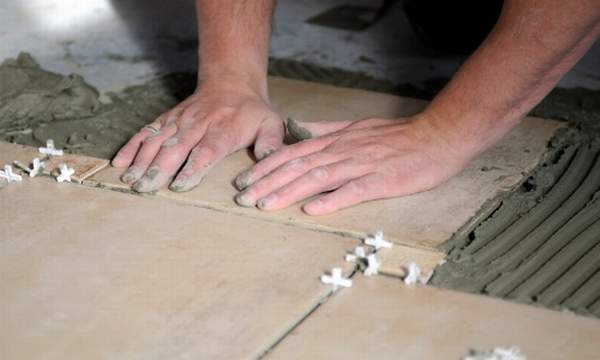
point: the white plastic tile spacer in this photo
(36, 167)
(499, 353)
(9, 175)
(373, 265)
(50, 149)
(412, 275)
(359, 253)
(377, 241)
(336, 279)
(65, 173)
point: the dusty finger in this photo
(278, 158)
(148, 150)
(317, 180)
(269, 138)
(169, 159)
(202, 158)
(127, 153)
(281, 176)
(365, 188)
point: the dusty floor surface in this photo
(530, 249)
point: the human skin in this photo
(229, 110)
(532, 46)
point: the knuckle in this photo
(320, 173)
(204, 151)
(356, 187)
(297, 164)
(151, 138)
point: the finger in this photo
(209, 151)
(146, 154)
(169, 159)
(315, 181)
(365, 188)
(301, 130)
(281, 176)
(269, 138)
(278, 158)
(127, 153)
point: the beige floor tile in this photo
(89, 273)
(10, 152)
(395, 261)
(421, 220)
(308, 101)
(378, 318)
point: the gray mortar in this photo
(36, 105)
(519, 251)
(297, 131)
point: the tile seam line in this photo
(312, 309)
(275, 220)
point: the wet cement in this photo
(36, 105)
(541, 245)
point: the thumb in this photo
(301, 130)
(269, 137)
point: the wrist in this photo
(243, 78)
(449, 139)
(468, 133)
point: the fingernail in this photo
(115, 161)
(141, 185)
(131, 175)
(266, 202)
(242, 199)
(313, 206)
(243, 180)
(147, 183)
(180, 184)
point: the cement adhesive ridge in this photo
(497, 257)
(540, 245)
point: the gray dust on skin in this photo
(297, 131)
(36, 105)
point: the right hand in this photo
(217, 120)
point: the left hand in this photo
(361, 161)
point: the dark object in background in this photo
(352, 17)
(456, 26)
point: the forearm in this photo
(234, 41)
(531, 47)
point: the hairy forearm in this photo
(531, 47)
(234, 41)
